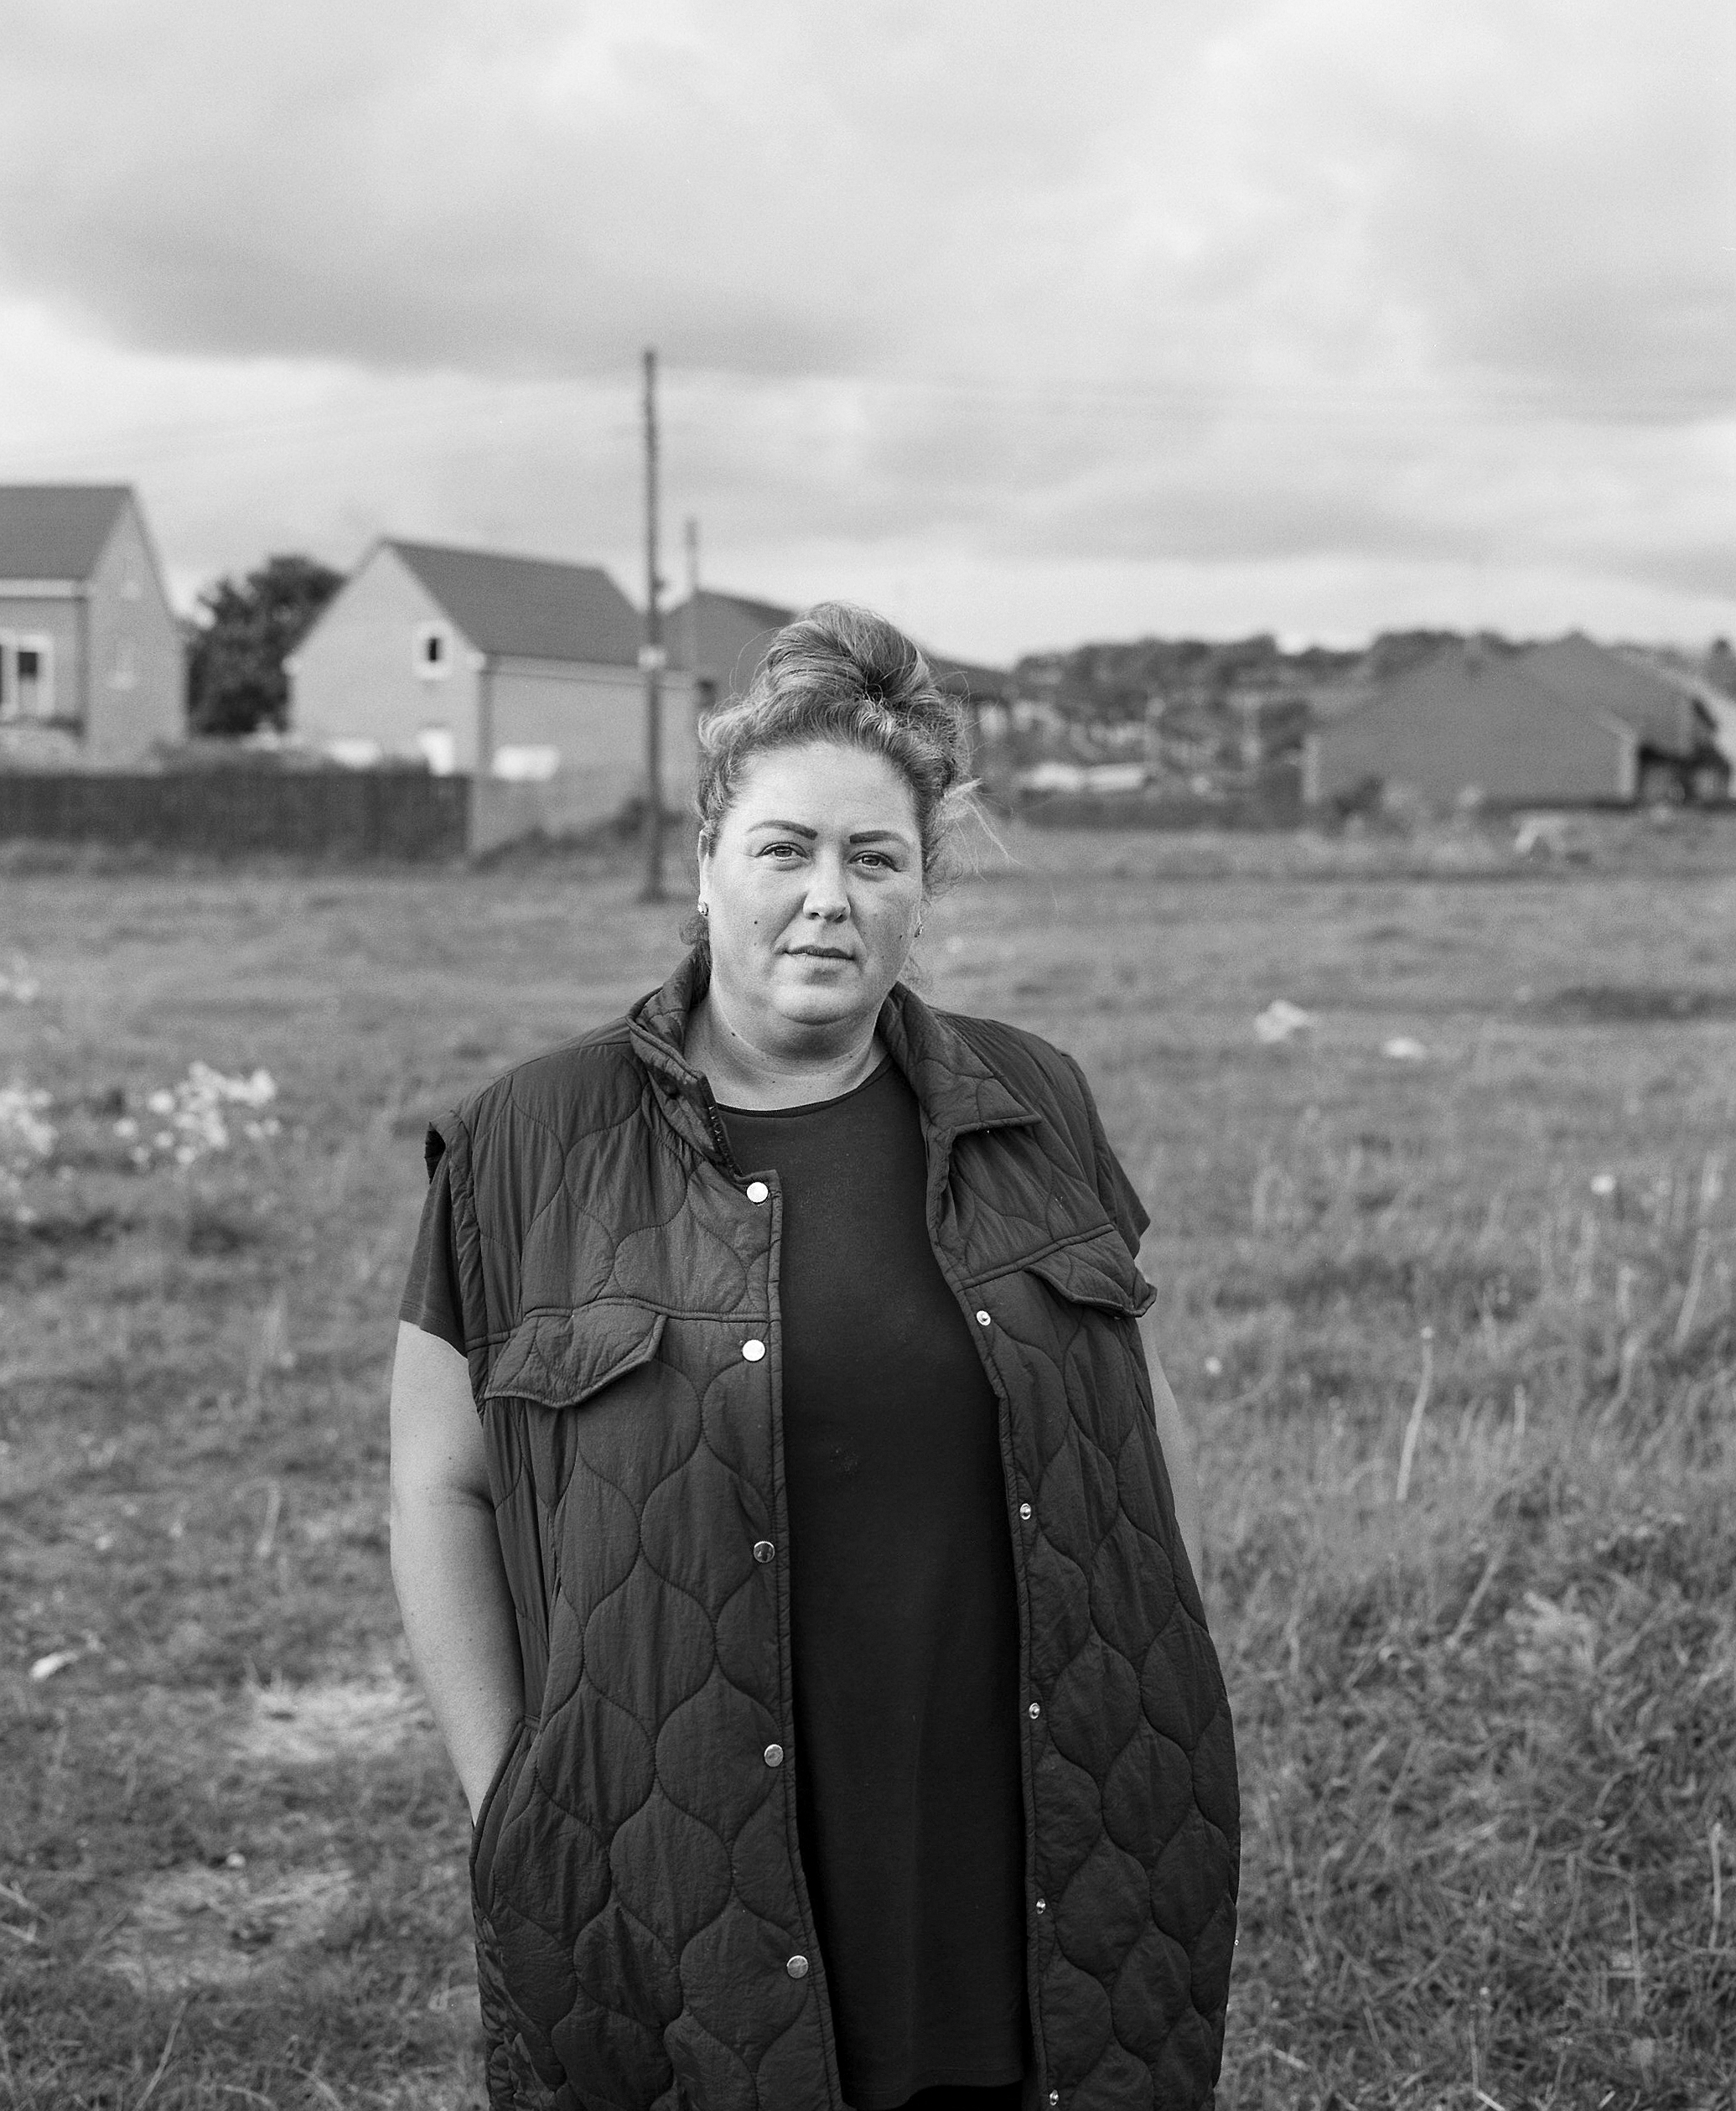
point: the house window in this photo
(433, 651)
(123, 675)
(26, 678)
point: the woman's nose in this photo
(827, 895)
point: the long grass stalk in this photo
(1413, 1427)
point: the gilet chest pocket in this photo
(1097, 1271)
(562, 1359)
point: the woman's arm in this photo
(1177, 1444)
(446, 1560)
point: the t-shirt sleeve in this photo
(432, 1299)
(1117, 1193)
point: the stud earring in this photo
(705, 909)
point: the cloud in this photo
(1432, 294)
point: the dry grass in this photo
(1487, 1733)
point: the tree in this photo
(235, 681)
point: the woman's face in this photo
(814, 887)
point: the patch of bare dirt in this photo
(306, 1725)
(196, 1927)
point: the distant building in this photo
(719, 639)
(1474, 723)
(1568, 723)
(521, 670)
(1679, 756)
(91, 666)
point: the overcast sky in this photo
(1024, 323)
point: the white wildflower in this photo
(21, 986)
(196, 1110)
(25, 1137)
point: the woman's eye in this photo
(781, 850)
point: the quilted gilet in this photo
(645, 1937)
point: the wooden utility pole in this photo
(651, 655)
(690, 643)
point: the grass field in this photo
(1488, 1731)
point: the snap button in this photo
(982, 1320)
(753, 1349)
(758, 1190)
(1042, 1905)
(1024, 1512)
(1035, 1710)
(763, 1550)
(797, 1967)
(775, 1755)
(1054, 2096)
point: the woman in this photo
(797, 1545)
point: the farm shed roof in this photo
(1474, 717)
(56, 530)
(1440, 681)
(529, 608)
(1660, 712)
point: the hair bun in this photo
(842, 673)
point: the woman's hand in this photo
(446, 1560)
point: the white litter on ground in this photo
(1402, 1049)
(1280, 1021)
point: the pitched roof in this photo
(56, 530)
(529, 608)
(1438, 683)
(1661, 713)
(766, 614)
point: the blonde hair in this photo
(844, 674)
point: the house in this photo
(1474, 723)
(518, 670)
(91, 666)
(719, 641)
(1679, 757)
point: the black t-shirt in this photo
(905, 1633)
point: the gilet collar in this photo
(955, 1086)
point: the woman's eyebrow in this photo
(812, 835)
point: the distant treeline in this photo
(1110, 682)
